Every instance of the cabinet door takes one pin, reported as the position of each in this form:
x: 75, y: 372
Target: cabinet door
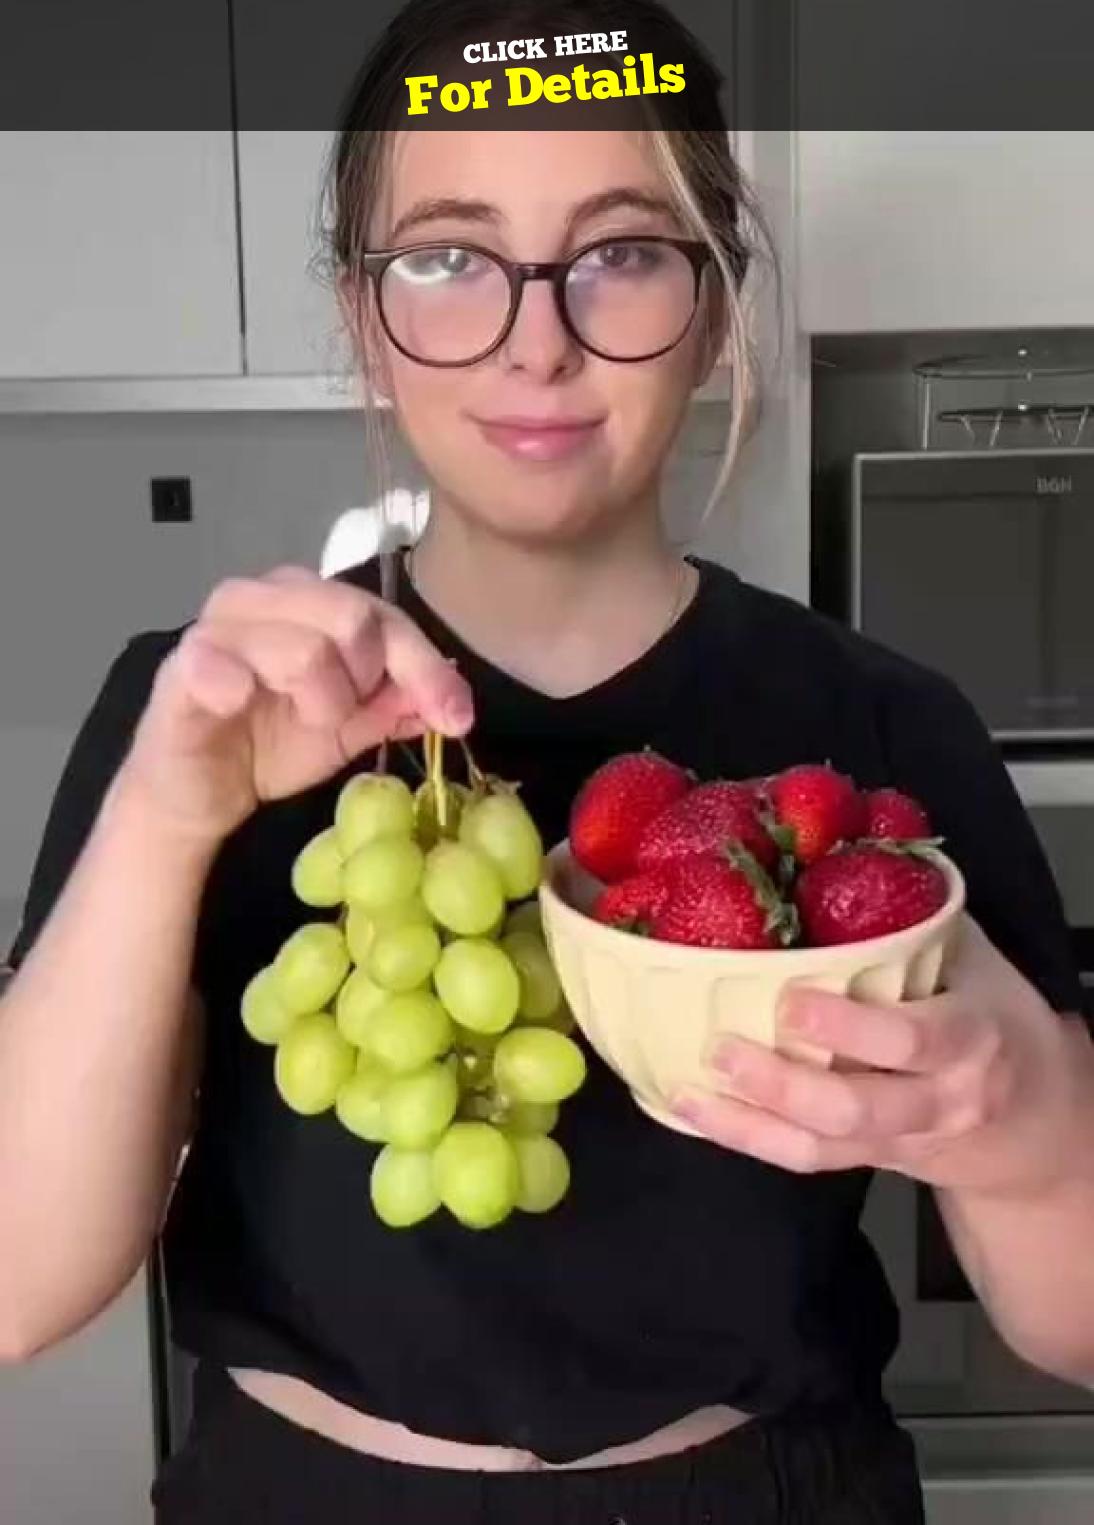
x: 292, y: 319
x: 906, y: 231
x: 294, y: 65
x: 119, y: 254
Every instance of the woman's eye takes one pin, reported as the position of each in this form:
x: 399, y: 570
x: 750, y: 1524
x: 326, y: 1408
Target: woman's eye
x: 436, y: 264
x: 621, y: 259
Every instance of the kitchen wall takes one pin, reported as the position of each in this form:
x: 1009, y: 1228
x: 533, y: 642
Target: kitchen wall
x: 83, y: 567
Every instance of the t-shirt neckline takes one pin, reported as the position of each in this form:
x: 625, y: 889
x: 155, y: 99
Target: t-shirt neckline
x: 658, y: 665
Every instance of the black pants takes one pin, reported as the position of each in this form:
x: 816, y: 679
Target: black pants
x: 242, y: 1463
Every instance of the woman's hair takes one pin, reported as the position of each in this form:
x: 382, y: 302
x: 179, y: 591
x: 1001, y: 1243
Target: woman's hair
x: 688, y: 133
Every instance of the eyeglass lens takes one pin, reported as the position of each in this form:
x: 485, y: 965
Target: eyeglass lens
x: 625, y: 300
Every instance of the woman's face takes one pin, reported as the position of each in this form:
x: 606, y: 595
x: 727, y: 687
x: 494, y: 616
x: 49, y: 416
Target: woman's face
x: 534, y: 196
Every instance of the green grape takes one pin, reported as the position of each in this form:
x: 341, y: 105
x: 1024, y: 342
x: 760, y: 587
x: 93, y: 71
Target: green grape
x: 544, y: 1172
x: 428, y: 826
x: 372, y: 805
x: 476, y: 1174
x: 317, y: 871
x: 402, y: 1187
x: 417, y: 1108
x: 537, y: 1064
x: 402, y: 957
x: 462, y: 889
x: 359, y: 932
x: 312, y: 1062
x: 361, y: 927
x: 358, y: 1002
x: 501, y: 829
x: 478, y: 984
x: 540, y: 992
x: 311, y: 965
x: 264, y: 1014
x: 561, y: 1020
x: 383, y: 874
x: 360, y: 1101
x: 408, y: 1031
x: 525, y: 918
x: 475, y: 1056
x: 531, y: 1117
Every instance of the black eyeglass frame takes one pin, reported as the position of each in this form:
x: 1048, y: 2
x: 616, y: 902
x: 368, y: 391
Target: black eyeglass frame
x: 374, y: 264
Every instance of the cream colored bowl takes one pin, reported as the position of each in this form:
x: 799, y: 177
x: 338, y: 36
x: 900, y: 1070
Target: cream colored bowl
x: 654, y: 1010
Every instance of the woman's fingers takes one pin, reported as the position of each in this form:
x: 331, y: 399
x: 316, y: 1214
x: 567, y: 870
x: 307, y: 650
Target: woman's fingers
x: 376, y: 641
x: 920, y: 1037
x: 220, y: 685
x: 869, y: 1107
x: 300, y: 663
x: 748, y: 1130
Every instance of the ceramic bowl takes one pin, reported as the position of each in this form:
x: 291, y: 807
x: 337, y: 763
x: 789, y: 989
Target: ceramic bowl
x: 654, y: 1011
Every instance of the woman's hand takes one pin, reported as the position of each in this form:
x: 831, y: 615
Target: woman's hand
x: 981, y: 1089
x: 281, y: 682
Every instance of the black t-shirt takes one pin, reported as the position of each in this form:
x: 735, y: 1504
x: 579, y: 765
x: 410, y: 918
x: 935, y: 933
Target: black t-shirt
x: 676, y: 1274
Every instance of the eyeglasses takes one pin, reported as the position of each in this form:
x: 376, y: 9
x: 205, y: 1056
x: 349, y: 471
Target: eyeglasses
x: 625, y: 299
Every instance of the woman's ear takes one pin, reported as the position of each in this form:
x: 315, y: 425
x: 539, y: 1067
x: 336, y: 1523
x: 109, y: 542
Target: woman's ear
x: 358, y: 308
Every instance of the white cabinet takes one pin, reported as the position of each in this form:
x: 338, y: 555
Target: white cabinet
x: 292, y: 320
x: 119, y: 255
x: 906, y: 231
x: 76, y: 1425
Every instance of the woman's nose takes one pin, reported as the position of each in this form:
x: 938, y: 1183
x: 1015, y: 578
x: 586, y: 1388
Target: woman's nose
x: 538, y: 342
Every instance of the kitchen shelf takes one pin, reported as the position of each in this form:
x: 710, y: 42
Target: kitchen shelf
x: 1054, y: 782
x: 215, y: 394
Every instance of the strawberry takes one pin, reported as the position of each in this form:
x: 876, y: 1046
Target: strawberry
x: 613, y: 807
x: 725, y: 901
x: 704, y: 822
x: 895, y: 817
x: 633, y: 904
x: 862, y: 892
x: 818, y: 807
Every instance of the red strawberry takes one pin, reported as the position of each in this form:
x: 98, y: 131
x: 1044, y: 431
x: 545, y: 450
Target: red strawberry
x: 819, y: 806
x: 725, y: 902
x: 704, y: 822
x: 863, y: 892
x: 895, y: 817
x: 633, y: 904
x: 613, y: 807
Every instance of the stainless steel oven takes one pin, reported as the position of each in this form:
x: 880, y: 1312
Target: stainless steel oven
x: 980, y: 564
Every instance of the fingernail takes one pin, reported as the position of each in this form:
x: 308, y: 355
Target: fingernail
x: 459, y: 715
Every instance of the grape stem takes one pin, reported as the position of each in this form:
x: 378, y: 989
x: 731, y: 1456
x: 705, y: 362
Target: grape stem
x: 475, y: 776
x: 433, y: 747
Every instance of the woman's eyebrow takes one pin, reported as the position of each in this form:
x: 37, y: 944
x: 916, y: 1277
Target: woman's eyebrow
x: 621, y: 198
x: 445, y: 208
x: 459, y: 208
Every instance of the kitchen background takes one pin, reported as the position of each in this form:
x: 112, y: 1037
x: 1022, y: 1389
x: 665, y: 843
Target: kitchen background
x: 159, y: 320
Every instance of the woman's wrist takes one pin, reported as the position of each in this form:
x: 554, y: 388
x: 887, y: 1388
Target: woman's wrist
x: 130, y: 813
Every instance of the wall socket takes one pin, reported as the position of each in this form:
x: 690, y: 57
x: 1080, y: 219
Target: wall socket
x: 171, y: 500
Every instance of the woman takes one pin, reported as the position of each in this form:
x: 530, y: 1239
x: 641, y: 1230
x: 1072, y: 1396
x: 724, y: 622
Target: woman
x: 699, y: 1332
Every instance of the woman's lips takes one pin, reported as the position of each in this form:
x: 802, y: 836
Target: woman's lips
x: 531, y: 439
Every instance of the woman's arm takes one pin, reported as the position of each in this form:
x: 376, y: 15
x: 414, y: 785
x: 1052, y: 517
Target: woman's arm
x: 99, y: 1048
x: 985, y: 1093
x: 1030, y: 1254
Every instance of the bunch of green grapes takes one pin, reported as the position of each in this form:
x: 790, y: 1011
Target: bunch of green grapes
x: 429, y: 1016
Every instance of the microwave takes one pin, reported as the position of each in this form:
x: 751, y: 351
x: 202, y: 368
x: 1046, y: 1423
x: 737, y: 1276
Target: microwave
x: 981, y: 565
